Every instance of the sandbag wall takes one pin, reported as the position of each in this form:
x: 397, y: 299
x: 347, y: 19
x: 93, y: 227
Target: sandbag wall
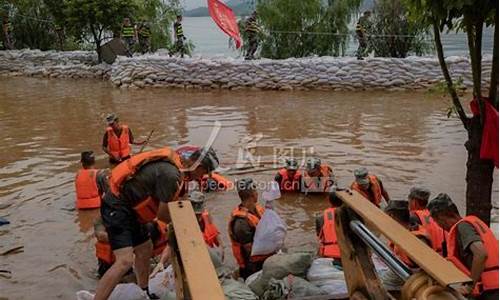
x: 315, y: 73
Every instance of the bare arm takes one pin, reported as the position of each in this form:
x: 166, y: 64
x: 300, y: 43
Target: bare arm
x: 478, y: 261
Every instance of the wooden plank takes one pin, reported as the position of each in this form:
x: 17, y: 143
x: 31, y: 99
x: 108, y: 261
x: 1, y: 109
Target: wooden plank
x: 443, y: 271
x: 359, y: 271
x: 198, y: 268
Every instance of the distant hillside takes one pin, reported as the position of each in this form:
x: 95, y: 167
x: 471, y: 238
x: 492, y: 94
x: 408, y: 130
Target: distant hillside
x: 245, y: 8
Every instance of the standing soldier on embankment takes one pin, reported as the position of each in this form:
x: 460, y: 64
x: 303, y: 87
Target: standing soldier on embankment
x: 362, y: 28
x: 178, y: 37
x: 8, y: 43
x: 144, y: 33
x: 128, y: 35
x: 252, y: 29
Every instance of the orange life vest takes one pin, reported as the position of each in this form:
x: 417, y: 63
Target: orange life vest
x: 210, y: 232
x: 119, y: 146
x: 288, y: 184
x: 104, y: 252
x: 147, y: 208
x: 375, y: 192
x: 436, y: 234
x: 489, y: 277
x: 328, y: 245
x: 87, y: 193
x: 223, y: 183
x: 252, y: 220
x: 326, y: 182
x: 420, y: 233
x: 160, y: 244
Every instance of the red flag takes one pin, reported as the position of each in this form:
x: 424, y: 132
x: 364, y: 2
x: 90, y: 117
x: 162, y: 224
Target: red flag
x: 225, y: 19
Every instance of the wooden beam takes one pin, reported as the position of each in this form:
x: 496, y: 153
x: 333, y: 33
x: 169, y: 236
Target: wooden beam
x: 200, y: 274
x: 359, y: 271
x: 443, y: 271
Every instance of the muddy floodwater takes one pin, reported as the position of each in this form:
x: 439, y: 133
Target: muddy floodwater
x: 404, y: 138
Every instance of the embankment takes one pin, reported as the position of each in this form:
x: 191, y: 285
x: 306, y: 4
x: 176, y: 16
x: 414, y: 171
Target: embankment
x: 315, y: 73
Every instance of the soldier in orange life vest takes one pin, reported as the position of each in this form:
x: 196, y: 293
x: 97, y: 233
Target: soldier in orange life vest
x: 369, y: 186
x: 140, y: 189
x: 241, y: 228
x: 398, y: 210
x: 207, y: 227
x: 117, y: 140
x: 472, y: 248
x: 104, y: 253
x: 417, y: 204
x: 318, y: 177
x: 90, y: 183
x: 289, y: 177
x: 326, y: 233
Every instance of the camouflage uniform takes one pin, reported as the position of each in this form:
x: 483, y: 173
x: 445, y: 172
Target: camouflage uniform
x: 252, y: 29
x: 362, y: 27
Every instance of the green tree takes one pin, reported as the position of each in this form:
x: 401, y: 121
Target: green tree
x: 394, y: 34
x: 470, y: 16
x: 91, y: 20
x: 32, y: 26
x: 160, y: 14
x: 304, y: 28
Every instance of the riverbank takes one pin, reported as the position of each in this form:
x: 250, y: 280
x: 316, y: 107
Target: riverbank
x: 316, y: 73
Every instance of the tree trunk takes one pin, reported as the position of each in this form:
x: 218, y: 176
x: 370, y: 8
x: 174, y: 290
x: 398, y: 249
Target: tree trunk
x: 479, y: 175
x: 97, y: 42
x: 494, y: 68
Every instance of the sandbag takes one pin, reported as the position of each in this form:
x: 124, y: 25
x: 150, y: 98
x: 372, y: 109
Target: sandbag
x: 123, y: 291
x: 322, y: 269
x: 236, y: 290
x: 290, y: 287
x: 269, y: 234
x: 279, y: 266
x: 252, y: 277
x: 333, y: 287
x: 162, y: 282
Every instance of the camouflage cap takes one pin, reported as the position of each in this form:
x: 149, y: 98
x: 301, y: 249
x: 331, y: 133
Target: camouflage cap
x: 442, y: 202
x: 87, y: 156
x: 111, y: 118
x: 313, y: 163
x: 292, y: 164
x: 197, y: 201
x: 245, y: 184
x: 361, y: 175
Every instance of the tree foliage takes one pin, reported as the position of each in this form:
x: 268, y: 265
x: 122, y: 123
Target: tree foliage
x: 304, y: 28
x: 394, y: 34
x: 470, y: 16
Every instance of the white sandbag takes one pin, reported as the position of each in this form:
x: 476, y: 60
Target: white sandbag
x: 123, y: 291
x: 269, y: 234
x: 334, y: 287
x: 322, y: 269
x: 162, y: 282
x: 252, y: 278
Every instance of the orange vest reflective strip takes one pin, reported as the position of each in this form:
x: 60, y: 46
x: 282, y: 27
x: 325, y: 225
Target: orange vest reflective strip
x: 119, y: 146
x: 104, y: 252
x: 436, y: 234
x: 328, y: 245
x: 252, y: 220
x: 87, y: 193
x: 419, y: 233
x: 148, y: 208
x: 326, y: 173
x: 289, y: 184
x: 162, y: 242
x: 489, y: 277
x: 210, y: 233
x: 375, y: 188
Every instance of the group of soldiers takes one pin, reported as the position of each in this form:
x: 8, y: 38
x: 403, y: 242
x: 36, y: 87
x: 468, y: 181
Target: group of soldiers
x: 140, y: 35
x: 133, y: 226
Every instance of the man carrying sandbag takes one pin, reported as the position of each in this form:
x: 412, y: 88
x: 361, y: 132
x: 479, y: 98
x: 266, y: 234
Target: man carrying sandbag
x: 242, y: 226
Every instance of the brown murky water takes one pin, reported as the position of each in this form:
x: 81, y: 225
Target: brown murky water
x: 405, y: 138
